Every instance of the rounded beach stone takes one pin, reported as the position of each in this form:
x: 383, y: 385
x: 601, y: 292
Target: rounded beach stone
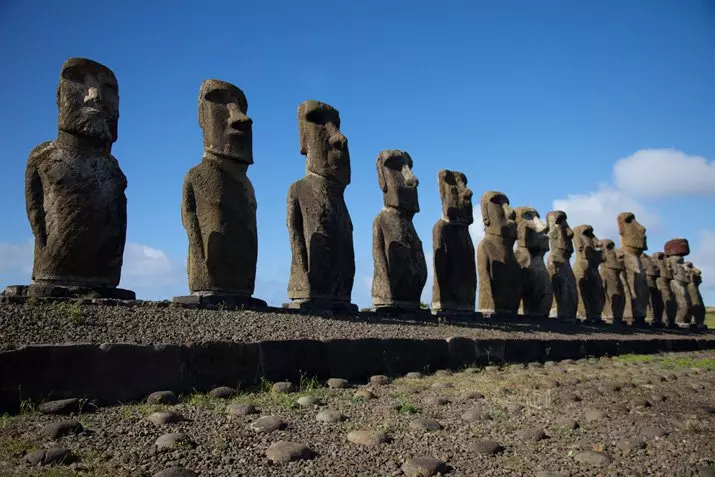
x: 442, y: 373
x: 442, y: 385
x: 330, y: 416
x: 566, y: 423
x: 308, y: 401
x: 173, y: 440
x: 414, y: 375
x: 364, y: 394
x: 425, y: 424
x: 652, y: 432
x: 60, y: 406
x: 241, y: 409
x: 631, y: 444
x: 532, y: 434
x: 267, y: 424
x: 283, y: 387
x: 487, y: 447
x: 514, y: 407
x: 62, y: 429
x: 475, y: 415
x: 163, y: 418
x: 472, y: 395
x: 161, y: 397
x: 379, y: 380
x: 52, y: 456
x: 367, y: 438
x: 593, y: 458
x: 176, y: 472
x: 434, y: 401
x: 285, y: 451
x: 594, y: 415
x: 424, y: 467
x: 338, y: 383
x: 222, y: 392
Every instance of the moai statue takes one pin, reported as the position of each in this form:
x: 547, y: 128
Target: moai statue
x: 532, y: 244
x: 676, y: 249
x: 74, y: 192
x: 455, y: 273
x: 563, y: 280
x: 589, y: 284
x: 319, y: 225
x: 696, y: 299
x: 655, y: 302
x: 633, y: 244
x: 399, y: 261
x: 499, y: 272
x: 612, y: 276
x: 218, y: 208
x: 663, y: 281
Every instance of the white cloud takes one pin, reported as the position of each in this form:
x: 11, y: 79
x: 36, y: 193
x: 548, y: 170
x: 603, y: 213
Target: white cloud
x: 664, y: 172
x: 16, y: 257
x: 601, y: 208
x: 703, y: 257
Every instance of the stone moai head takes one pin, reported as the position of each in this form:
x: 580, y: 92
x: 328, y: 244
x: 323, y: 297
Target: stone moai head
x: 395, y: 178
x: 223, y: 118
x: 497, y: 215
x: 560, y: 234
x: 456, y: 197
x: 88, y: 101
x: 613, y: 258
x: 633, y: 237
x: 661, y: 261
x: 650, y: 266
x: 587, y: 245
x: 322, y: 142
x: 689, y: 269
x: 531, y: 231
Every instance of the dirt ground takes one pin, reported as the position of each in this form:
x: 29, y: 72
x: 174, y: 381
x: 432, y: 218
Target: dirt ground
x: 626, y: 416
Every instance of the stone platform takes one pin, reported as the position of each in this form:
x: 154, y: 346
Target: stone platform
x: 51, y: 290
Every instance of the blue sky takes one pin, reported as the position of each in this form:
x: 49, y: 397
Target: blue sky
x: 537, y: 99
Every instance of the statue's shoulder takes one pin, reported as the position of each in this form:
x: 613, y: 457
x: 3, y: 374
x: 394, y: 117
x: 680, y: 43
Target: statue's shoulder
x: 41, y: 152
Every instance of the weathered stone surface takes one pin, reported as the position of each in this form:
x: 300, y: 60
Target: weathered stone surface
x: 218, y: 207
x: 222, y: 392
x: 655, y: 298
x: 308, y: 401
x: 78, y: 242
x: 563, y: 280
x: 499, y: 272
x: 589, y: 256
x: 435, y: 401
x: 695, y: 278
x: 425, y: 424
x: 593, y: 458
x: 413, y: 375
x: 475, y: 415
x: 532, y: 244
x: 319, y: 225
x: 56, y: 430
x: 487, y: 447
x: 532, y: 434
x: 284, y: 451
x: 612, y: 273
x: 163, y: 418
x: 379, y: 380
x: 364, y: 394
x: 633, y: 244
x: 161, y: 397
x: 631, y: 444
x: 267, y: 424
x: 172, y: 441
x: 679, y: 287
x: 283, y: 387
x: 665, y: 277
x: 424, y: 467
x: 52, y: 456
x: 330, y: 416
x: 241, y: 409
x: 455, y: 275
x: 400, y: 269
x: 176, y: 472
x: 677, y: 247
x: 61, y: 406
x: 367, y: 438
x: 338, y: 383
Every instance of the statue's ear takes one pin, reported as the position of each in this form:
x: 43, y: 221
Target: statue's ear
x: 485, y: 221
x: 381, y: 175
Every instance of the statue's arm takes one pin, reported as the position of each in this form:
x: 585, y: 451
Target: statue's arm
x: 191, y: 221
x: 34, y: 200
x: 295, y: 231
x: 484, y: 273
x: 439, y: 256
x: 382, y: 267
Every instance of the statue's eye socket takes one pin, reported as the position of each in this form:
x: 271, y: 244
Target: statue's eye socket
x: 73, y: 74
x: 218, y: 96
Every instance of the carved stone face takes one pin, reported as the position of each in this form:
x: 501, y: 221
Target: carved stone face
x: 532, y: 232
x: 560, y: 234
x: 613, y: 258
x: 651, y: 267
x: 587, y: 245
x: 676, y: 265
x: 498, y: 216
x: 322, y: 142
x: 88, y: 100
x: 398, y: 183
x: 456, y: 197
x: 632, y: 233
x: 661, y: 261
x: 223, y: 118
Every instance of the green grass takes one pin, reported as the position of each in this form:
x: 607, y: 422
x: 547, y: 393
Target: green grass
x: 710, y: 318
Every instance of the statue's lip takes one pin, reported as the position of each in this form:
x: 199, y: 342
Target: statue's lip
x: 92, y: 109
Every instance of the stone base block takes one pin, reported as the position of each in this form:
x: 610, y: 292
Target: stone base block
x: 51, y: 290
x: 322, y: 305
x: 213, y: 301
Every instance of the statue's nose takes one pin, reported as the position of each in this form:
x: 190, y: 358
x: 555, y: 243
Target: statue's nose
x: 410, y: 178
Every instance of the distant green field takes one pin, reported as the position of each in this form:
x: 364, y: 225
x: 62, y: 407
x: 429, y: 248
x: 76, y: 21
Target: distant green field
x: 710, y: 317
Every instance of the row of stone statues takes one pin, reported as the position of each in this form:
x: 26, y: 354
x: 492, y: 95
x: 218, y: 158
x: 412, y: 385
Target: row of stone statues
x: 77, y: 209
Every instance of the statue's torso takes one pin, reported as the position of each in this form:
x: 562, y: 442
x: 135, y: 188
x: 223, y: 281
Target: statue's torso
x: 457, y: 286
x: 504, y: 280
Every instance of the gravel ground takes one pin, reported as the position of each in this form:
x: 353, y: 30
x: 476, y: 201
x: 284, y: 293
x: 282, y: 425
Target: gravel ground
x: 624, y: 416
x: 63, y: 322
